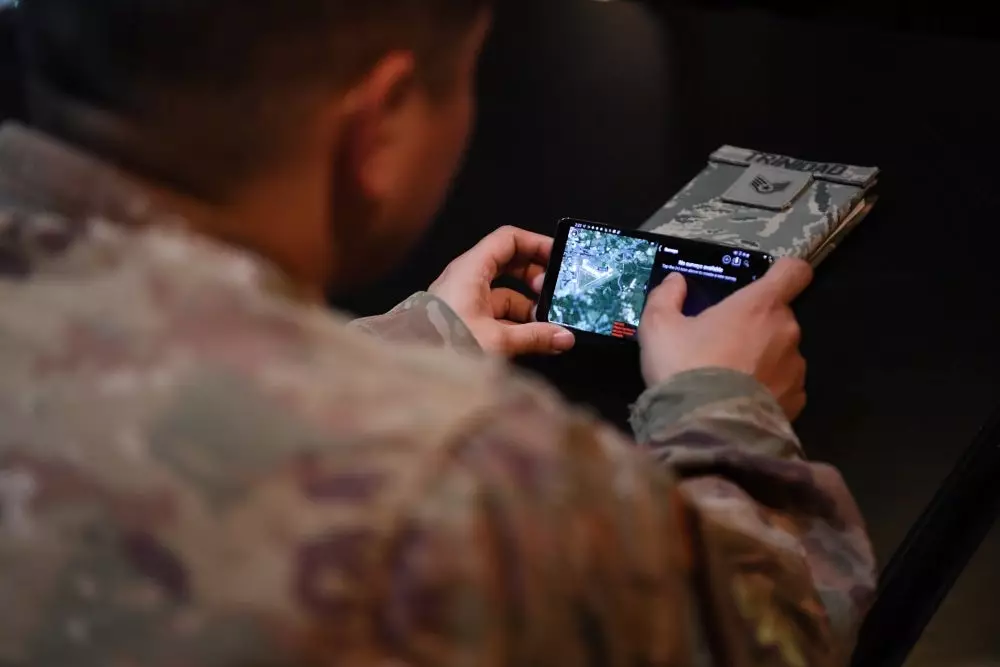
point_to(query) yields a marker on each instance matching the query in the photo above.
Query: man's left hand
(501, 319)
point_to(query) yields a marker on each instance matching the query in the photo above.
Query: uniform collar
(40, 173)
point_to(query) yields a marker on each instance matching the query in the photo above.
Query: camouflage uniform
(772, 203)
(197, 470)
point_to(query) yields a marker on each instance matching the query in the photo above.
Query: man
(200, 466)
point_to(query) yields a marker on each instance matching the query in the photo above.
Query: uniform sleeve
(785, 566)
(423, 318)
(549, 540)
(544, 539)
(532, 535)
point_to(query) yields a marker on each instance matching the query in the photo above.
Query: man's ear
(374, 123)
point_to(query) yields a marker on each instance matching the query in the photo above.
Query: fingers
(668, 299)
(526, 273)
(510, 246)
(522, 335)
(795, 405)
(537, 284)
(511, 305)
(536, 338)
(794, 400)
(794, 329)
(785, 281)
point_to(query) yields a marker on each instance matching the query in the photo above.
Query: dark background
(962, 18)
(602, 110)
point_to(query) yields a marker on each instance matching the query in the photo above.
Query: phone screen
(599, 276)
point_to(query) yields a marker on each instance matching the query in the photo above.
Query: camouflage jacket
(198, 471)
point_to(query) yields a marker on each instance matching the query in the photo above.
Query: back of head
(229, 78)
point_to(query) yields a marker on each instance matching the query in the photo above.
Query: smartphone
(599, 276)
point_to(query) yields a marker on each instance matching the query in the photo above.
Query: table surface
(603, 110)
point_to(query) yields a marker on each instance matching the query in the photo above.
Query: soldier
(201, 466)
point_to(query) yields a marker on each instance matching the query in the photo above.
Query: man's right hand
(754, 332)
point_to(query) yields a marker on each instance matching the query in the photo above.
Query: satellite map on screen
(602, 281)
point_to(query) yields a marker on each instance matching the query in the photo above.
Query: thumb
(537, 338)
(668, 299)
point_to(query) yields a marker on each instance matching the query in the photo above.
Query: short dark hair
(228, 71)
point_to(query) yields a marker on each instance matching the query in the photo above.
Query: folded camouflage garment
(776, 204)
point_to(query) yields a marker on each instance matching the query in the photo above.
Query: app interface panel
(606, 275)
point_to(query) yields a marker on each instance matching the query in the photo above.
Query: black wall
(955, 17)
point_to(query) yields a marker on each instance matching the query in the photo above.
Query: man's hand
(501, 319)
(754, 331)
